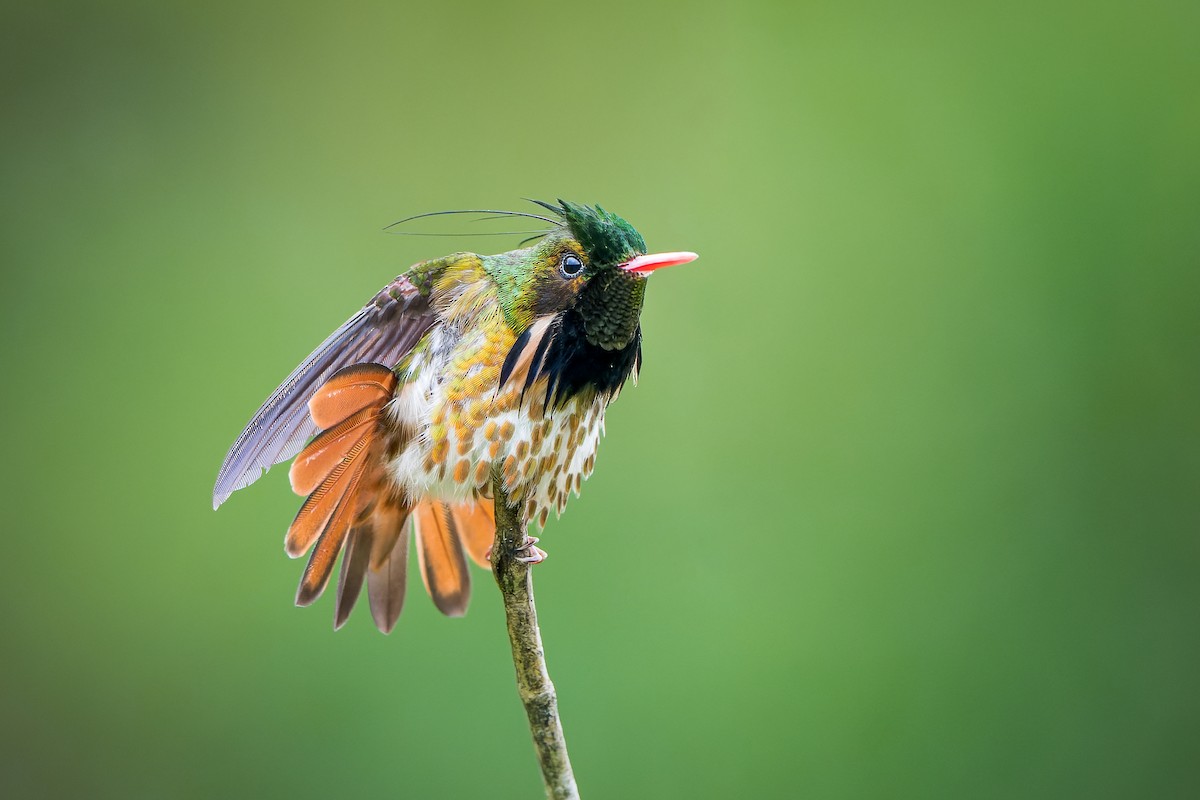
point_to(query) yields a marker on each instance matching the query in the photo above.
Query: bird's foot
(526, 553)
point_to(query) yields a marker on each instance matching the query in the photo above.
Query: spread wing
(382, 332)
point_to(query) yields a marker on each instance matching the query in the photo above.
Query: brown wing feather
(390, 521)
(387, 580)
(477, 529)
(350, 390)
(440, 554)
(354, 570)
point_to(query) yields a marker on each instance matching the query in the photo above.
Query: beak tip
(648, 263)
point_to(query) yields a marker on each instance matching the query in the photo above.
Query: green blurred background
(907, 497)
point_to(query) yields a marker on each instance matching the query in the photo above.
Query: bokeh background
(907, 501)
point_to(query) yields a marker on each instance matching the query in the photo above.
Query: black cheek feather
(535, 365)
(514, 353)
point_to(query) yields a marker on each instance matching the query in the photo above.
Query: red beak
(647, 264)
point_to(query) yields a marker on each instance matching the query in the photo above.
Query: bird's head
(593, 265)
(585, 281)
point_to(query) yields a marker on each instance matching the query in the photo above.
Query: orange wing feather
(331, 470)
(349, 390)
(324, 453)
(320, 563)
(321, 505)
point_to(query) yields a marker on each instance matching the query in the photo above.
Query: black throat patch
(571, 364)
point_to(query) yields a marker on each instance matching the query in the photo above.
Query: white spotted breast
(456, 423)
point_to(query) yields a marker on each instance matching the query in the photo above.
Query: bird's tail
(351, 505)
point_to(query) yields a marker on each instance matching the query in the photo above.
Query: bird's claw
(526, 553)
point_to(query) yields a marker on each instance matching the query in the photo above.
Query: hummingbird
(462, 365)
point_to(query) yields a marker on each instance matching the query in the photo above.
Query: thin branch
(533, 681)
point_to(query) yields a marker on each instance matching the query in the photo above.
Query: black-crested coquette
(462, 364)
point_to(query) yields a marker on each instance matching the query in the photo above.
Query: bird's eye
(570, 265)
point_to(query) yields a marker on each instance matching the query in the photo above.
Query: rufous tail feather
(388, 573)
(440, 555)
(476, 526)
